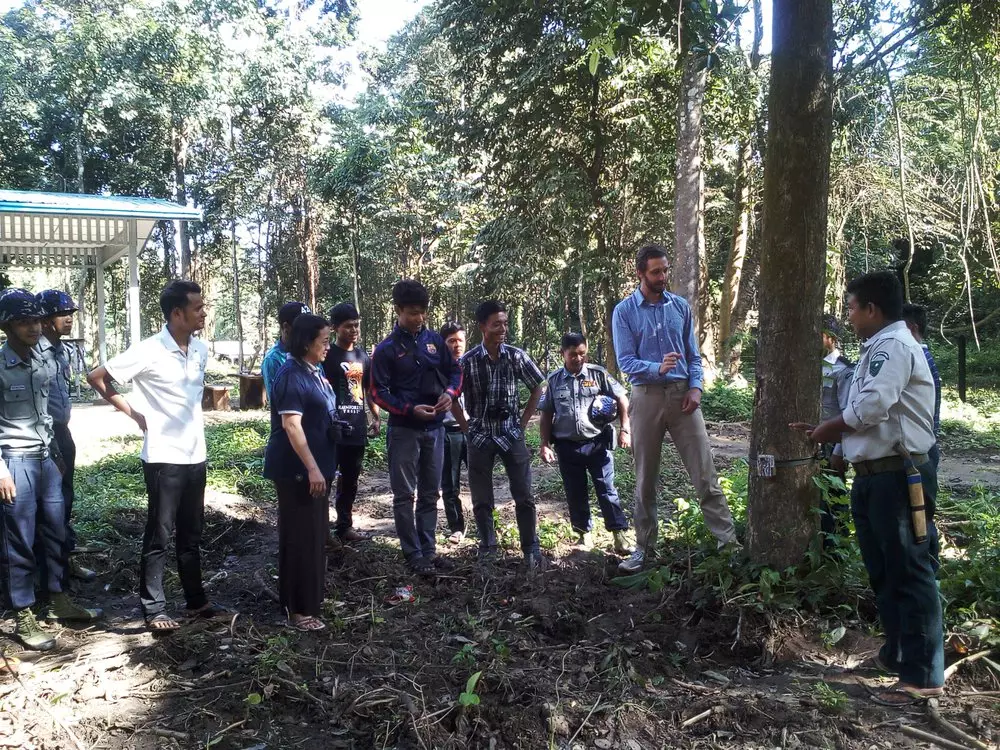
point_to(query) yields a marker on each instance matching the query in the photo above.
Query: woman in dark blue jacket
(301, 461)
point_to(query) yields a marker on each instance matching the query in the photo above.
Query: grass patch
(723, 402)
(973, 425)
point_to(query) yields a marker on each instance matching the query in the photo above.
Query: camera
(338, 430)
(498, 412)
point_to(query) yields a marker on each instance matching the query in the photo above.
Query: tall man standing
(58, 323)
(278, 353)
(655, 341)
(496, 425)
(584, 441)
(348, 367)
(168, 372)
(31, 501)
(415, 379)
(891, 406)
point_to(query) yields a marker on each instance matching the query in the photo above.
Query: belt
(39, 454)
(452, 428)
(674, 384)
(885, 465)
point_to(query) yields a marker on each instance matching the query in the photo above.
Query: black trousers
(176, 498)
(455, 454)
(64, 440)
(302, 525)
(350, 460)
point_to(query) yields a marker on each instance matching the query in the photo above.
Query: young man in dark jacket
(415, 378)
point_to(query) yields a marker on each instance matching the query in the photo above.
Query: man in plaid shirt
(496, 425)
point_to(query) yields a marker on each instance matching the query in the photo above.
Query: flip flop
(306, 624)
(209, 612)
(162, 623)
(904, 696)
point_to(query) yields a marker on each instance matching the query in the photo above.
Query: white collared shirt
(168, 391)
(891, 398)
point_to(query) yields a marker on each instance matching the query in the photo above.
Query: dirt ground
(565, 660)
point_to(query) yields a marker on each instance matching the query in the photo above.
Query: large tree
(793, 263)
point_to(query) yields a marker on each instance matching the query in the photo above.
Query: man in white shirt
(891, 404)
(168, 374)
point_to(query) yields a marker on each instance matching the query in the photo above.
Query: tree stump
(252, 393)
(215, 398)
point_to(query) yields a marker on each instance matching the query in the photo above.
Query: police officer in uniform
(31, 500)
(578, 425)
(838, 371)
(58, 323)
(891, 405)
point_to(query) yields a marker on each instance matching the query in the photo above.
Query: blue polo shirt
(300, 389)
(270, 365)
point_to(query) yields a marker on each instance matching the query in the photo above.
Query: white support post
(102, 343)
(134, 327)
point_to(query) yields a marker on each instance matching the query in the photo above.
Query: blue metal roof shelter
(83, 231)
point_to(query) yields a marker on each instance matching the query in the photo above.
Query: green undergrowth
(723, 402)
(830, 585)
(973, 425)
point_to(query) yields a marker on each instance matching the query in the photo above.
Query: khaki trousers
(655, 410)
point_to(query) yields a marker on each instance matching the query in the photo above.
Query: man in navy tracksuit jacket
(414, 377)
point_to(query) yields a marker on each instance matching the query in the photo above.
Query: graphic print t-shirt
(347, 372)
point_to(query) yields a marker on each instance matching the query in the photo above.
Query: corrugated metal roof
(104, 206)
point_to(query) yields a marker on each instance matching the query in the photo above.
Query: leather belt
(885, 465)
(39, 454)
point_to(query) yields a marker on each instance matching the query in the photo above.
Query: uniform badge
(18, 387)
(875, 364)
(589, 383)
(431, 349)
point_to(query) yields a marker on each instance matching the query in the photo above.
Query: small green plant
(468, 697)
(653, 579)
(500, 648)
(275, 656)
(830, 699)
(550, 532)
(466, 656)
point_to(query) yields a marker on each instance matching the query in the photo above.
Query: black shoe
(420, 565)
(441, 563)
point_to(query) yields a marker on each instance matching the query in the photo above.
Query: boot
(62, 608)
(30, 633)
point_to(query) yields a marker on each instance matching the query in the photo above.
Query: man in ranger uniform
(58, 323)
(583, 442)
(31, 500)
(889, 410)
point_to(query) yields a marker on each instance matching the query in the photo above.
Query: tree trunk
(737, 254)
(793, 261)
(689, 225)
(183, 242)
(581, 311)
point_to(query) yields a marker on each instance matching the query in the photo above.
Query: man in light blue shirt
(655, 342)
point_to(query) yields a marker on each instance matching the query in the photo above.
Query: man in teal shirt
(278, 353)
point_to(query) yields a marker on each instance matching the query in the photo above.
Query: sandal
(421, 566)
(208, 612)
(306, 624)
(900, 696)
(161, 622)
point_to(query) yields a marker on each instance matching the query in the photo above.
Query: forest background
(509, 149)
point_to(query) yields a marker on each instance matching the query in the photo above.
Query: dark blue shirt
(300, 389)
(411, 370)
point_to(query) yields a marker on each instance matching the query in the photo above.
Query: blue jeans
(415, 460)
(37, 509)
(903, 574)
(576, 461)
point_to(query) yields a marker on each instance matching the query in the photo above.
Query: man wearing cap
(278, 353)
(583, 439)
(58, 323)
(838, 372)
(168, 374)
(31, 500)
(347, 367)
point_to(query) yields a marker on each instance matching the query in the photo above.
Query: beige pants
(654, 410)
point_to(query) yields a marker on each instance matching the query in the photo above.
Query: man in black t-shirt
(346, 367)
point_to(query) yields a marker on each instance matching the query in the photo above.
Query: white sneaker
(634, 563)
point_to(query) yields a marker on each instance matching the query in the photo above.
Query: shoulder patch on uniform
(431, 349)
(875, 363)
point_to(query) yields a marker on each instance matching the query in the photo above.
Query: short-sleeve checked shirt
(491, 397)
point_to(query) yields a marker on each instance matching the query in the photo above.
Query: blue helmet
(603, 411)
(18, 303)
(55, 301)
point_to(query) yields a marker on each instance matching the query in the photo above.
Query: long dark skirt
(302, 532)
